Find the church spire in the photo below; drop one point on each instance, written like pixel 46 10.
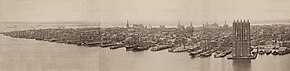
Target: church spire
pixel 191 24
pixel 128 23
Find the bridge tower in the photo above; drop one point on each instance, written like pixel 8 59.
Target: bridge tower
pixel 241 39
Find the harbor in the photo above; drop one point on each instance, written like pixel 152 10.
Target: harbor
pixel 66 57
pixel 195 41
pixel 144 35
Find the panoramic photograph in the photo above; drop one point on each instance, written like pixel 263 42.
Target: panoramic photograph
pixel 144 35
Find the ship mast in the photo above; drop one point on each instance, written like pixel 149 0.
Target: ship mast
pixel 100 32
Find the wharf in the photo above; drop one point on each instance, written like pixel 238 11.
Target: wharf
pixel 253 56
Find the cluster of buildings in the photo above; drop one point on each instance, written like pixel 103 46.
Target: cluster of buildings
pixel 238 38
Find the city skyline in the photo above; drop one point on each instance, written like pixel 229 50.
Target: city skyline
pixel 144 35
pixel 153 24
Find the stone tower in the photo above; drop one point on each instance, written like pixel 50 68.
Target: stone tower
pixel 241 39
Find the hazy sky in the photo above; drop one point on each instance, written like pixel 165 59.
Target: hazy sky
pixel 143 10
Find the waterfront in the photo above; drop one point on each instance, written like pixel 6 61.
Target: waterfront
pixel 31 55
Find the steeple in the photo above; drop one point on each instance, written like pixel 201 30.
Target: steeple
pixel 234 21
pixel 225 22
pixel 128 23
pixel 191 24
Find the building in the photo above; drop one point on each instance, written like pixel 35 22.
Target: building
pixel 190 27
pixel 138 26
pixel 214 25
pixel 162 26
pixel 128 26
pixel 225 25
pixel 179 26
pixel 241 39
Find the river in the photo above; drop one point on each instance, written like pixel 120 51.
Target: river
pixel 30 55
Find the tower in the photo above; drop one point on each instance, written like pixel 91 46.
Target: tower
pixel 128 23
pixel 179 26
pixel 225 25
pixel 191 24
pixel 191 27
pixel 241 39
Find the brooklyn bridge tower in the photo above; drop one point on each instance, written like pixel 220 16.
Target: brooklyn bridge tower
pixel 241 39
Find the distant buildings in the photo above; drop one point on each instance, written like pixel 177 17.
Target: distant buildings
pixel 138 26
pixel 214 25
pixel 162 26
pixel 135 25
pixel 226 25
pixel 190 26
pixel 179 26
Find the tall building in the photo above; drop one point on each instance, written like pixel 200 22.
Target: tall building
pixel 225 25
pixel 128 23
pixel 191 24
pixel 241 36
pixel 179 26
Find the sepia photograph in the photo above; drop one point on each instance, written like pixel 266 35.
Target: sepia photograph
pixel 144 35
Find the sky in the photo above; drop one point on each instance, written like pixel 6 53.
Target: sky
pixel 143 11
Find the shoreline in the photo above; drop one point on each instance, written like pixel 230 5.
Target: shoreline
pixel 115 38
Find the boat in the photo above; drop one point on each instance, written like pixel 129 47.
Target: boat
pixel 205 54
pixel 91 44
pixel 283 52
pixel 161 47
pixel 106 45
pixel 140 48
pixel 52 40
pixel 130 47
pixel 275 52
pixel 171 49
pixel 143 46
pixel 208 54
pixel 39 38
pixel 254 51
pixel 261 51
pixel 223 54
pixel 268 51
pixel 193 49
pixel 228 52
pixel 80 43
pixel 195 52
pixel 178 49
pixel 70 42
pixel 117 46
pixel 217 54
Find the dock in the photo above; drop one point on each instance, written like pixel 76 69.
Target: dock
pixel 253 56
